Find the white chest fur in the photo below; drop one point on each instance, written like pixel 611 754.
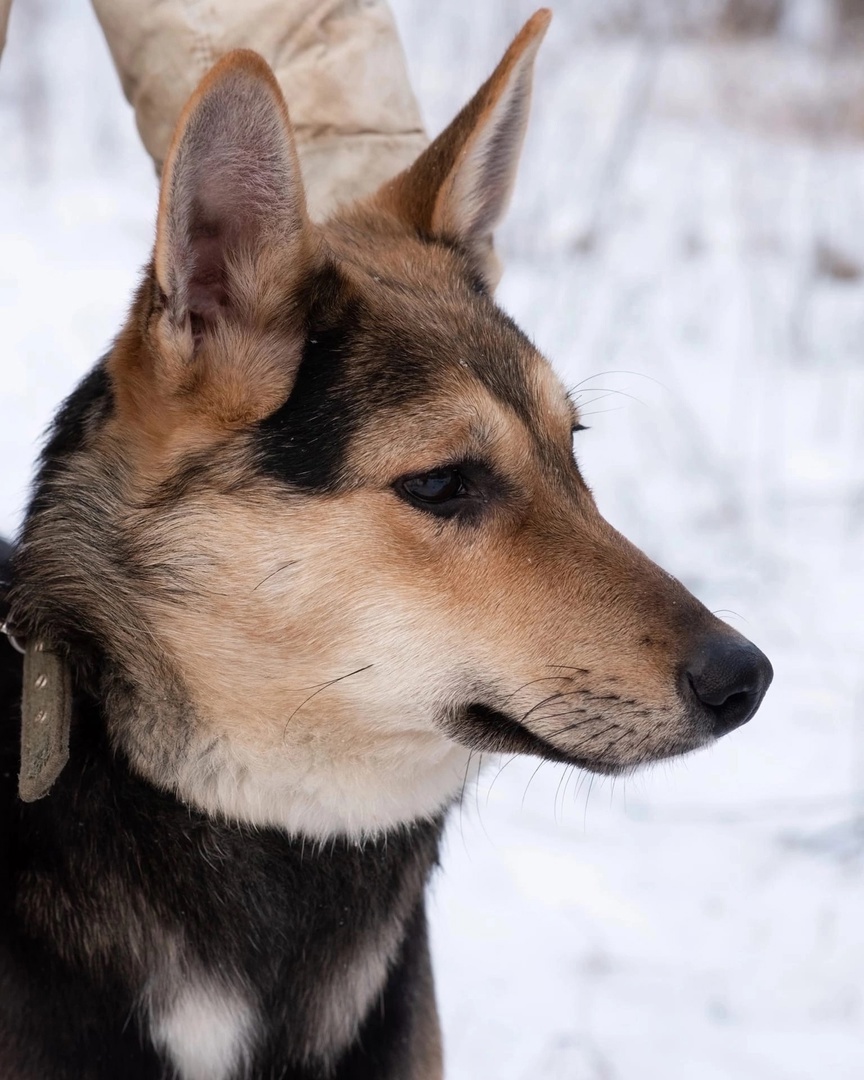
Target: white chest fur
pixel 206 1030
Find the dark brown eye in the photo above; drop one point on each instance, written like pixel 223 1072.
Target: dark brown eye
pixel 434 489
pixel 463 490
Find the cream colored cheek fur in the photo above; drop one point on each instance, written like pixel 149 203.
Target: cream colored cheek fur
pixel 317 703
pixel 326 761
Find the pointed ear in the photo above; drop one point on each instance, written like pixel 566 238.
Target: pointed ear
pixel 459 187
pixel 215 337
pixel 231 188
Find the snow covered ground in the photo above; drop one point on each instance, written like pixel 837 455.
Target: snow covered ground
pixel 686 243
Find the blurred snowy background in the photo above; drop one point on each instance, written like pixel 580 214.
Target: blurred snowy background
pixel 687 244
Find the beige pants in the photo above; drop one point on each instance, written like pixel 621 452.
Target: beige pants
pixel 339 62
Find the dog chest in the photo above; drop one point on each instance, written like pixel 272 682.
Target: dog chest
pixel 206 1030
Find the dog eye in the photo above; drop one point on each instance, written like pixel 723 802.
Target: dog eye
pixel 437 492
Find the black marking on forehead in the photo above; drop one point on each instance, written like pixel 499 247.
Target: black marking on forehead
pixel 373 350
pixel 305 440
pixel 502 358
pixel 507 364
pixel 354 363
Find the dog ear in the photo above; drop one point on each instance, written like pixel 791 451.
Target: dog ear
pixel 231 188
pixel 216 332
pixel 459 187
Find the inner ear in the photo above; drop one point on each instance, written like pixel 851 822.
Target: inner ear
pixel 207 285
pixel 231 188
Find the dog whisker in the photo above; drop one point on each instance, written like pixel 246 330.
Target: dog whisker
pixel 477 802
pixel 500 770
pixel 605 391
pixel 534 682
pixel 272 574
pixel 600 412
pixel 528 785
pixel 570 776
pixel 614 371
pixel 728 612
pixel 571 711
pixel 462 799
pixel 558 698
pixel 557 794
pixel 322 687
pixel 546 701
pixel 572 727
pixel 587 800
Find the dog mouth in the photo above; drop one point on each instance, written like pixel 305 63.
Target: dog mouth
pixel 488 730
pixel 485 729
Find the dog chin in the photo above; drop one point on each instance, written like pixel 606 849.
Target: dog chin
pixel 485 729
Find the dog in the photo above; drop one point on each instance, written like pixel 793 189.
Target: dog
pixel 307 541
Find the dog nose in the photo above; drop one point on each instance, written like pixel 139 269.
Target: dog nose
pixel 729 677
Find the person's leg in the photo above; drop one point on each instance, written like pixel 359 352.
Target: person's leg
pixel 4 21
pixel 339 62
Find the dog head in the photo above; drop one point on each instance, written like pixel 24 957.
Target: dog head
pixel 326 523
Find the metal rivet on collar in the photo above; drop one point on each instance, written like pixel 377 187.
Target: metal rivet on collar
pixel 46 715
pixel 13 641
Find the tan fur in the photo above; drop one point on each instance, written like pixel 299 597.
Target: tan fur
pixel 167 405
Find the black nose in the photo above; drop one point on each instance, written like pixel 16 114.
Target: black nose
pixel 729 677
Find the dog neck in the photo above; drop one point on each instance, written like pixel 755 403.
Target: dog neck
pixel 311 791
pixel 314 786
pixel 289 942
